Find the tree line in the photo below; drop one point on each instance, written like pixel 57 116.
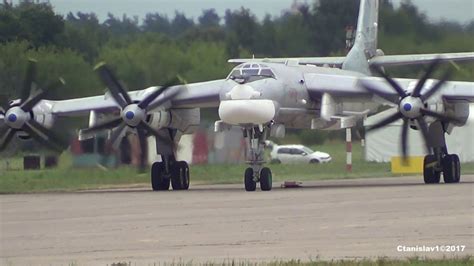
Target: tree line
pixel 150 51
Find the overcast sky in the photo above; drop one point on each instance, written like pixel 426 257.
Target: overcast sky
pixel 458 10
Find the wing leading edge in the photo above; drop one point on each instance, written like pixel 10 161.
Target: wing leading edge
pixel 351 86
pixel 194 95
pixel 382 60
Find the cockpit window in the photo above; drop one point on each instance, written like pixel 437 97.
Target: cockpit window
pixel 250 72
pixel 245 73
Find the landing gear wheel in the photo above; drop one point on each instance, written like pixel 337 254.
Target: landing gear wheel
pixel 266 179
pixel 180 176
pixel 430 175
pixel 159 180
pixel 250 184
pixel 451 169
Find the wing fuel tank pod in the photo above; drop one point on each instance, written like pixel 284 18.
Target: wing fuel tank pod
pixel 237 112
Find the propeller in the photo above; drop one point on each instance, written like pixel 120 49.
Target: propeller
pixel 411 106
pixel 133 114
pixel 18 116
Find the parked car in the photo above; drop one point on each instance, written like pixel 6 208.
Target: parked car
pixel 297 154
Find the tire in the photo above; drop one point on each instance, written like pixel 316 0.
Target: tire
pixel 159 181
pixel 180 176
pixel 314 161
pixel 266 179
pixel 430 175
pixel 250 184
pixel 451 169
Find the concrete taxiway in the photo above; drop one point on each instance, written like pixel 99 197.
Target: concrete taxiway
pixel 324 219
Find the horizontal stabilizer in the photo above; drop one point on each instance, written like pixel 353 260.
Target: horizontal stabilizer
pixel 414 59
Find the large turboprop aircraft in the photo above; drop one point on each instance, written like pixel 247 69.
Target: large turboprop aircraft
pixel 266 96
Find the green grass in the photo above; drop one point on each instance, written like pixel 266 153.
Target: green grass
pixel 416 261
pixel 66 178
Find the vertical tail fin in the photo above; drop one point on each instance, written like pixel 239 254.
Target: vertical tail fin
pixel 365 45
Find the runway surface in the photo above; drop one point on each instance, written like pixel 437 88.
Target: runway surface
pixel 325 220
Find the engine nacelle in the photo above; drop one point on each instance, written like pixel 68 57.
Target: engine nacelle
pixel 46 120
pixel 160 119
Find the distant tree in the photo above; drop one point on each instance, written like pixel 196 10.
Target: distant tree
pixel 268 45
pixel 243 28
pixel 209 18
pixel 180 24
pixel 330 18
pixel 124 26
pixel 84 34
pixel 32 21
pixel 52 63
pixel 155 22
pixel 295 35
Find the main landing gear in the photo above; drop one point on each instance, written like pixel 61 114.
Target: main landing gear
pixel 170 171
pixel 256 173
pixel 440 161
pixel 448 164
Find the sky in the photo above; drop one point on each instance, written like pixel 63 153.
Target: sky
pixel 458 10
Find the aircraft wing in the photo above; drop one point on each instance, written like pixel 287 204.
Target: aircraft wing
pixel 412 59
pixel 194 95
pixel 319 61
pixel 350 87
pixel 383 60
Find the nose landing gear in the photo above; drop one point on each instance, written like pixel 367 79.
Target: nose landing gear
pixel 256 173
pixel 264 178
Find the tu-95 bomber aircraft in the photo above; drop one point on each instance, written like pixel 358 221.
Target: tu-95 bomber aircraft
pixel 264 97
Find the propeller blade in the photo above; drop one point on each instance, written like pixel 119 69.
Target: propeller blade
pixel 115 138
pixel 3 129
pixel 143 147
pixel 106 125
pixel 115 87
pixel 431 68
pixel 424 131
pixel 42 139
pixel 28 105
pixel 386 121
pixel 441 117
pixel 377 69
pixel 8 137
pixel 30 77
pixel 50 136
pixel 2 111
pixel 171 94
pixel 405 140
pixel 145 102
pixel 437 86
pixel 369 87
pixel 153 132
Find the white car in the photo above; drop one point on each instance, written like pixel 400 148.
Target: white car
pixel 297 154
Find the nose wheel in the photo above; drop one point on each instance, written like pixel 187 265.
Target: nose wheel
pixel 264 178
pixel 256 173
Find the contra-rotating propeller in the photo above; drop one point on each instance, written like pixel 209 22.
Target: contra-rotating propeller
pixel 133 114
pixel 18 116
pixel 411 106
